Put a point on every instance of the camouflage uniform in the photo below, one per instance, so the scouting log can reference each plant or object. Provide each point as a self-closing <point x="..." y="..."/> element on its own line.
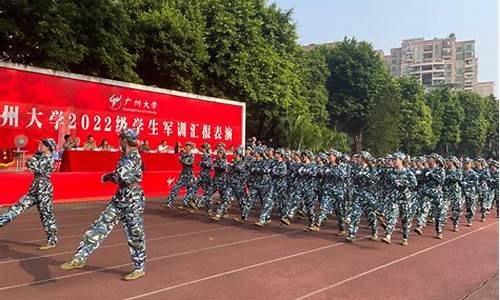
<point x="483" y="191"/>
<point x="363" y="201"/>
<point x="126" y="206"/>
<point x="40" y="194"/>
<point x="237" y="176"/>
<point x="333" y="196"/>
<point x="401" y="182"/>
<point x="203" y="181"/>
<point x="186" y="178"/>
<point x="418" y="191"/>
<point x="279" y="182"/>
<point x="309" y="193"/>
<point x="453" y="193"/>
<point x="383" y="189"/>
<point x="259" y="187"/>
<point x="494" y="187"/>
<point x="470" y="181"/>
<point x="218" y="185"/>
<point x="295" y="182"/>
<point x="433" y="198"/>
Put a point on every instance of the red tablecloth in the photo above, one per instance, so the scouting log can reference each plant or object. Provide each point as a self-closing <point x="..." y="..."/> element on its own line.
<point x="92" y="161"/>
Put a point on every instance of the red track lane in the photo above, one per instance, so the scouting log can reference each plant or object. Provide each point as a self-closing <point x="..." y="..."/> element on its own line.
<point x="199" y="259"/>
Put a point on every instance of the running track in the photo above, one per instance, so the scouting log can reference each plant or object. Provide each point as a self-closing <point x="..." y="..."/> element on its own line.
<point x="192" y="258"/>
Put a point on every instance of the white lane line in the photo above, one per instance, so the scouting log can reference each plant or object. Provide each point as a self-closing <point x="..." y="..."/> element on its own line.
<point x="149" y="260"/>
<point x="238" y="270"/>
<point x="391" y="263"/>
<point x="118" y="244"/>
<point x="97" y="214"/>
<point x="81" y="234"/>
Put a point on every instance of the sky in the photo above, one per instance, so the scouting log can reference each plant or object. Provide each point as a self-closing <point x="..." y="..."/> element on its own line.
<point x="385" y="23"/>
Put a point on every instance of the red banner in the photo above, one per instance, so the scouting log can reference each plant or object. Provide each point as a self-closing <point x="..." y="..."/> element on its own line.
<point x="41" y="103"/>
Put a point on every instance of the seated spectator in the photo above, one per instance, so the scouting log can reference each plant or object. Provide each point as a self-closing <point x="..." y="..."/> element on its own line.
<point x="105" y="146"/>
<point x="90" y="144"/>
<point x="70" y="142"/>
<point x="163" y="147"/>
<point x="144" y="147"/>
<point x="231" y="150"/>
<point x="178" y="147"/>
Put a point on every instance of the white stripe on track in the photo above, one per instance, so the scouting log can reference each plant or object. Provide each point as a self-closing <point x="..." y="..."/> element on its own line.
<point x="313" y="293"/>
<point x="116" y="244"/>
<point x="150" y="260"/>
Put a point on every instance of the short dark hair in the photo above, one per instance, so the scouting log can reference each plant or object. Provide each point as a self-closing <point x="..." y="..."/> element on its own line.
<point x="67" y="136"/>
<point x="90" y="136"/>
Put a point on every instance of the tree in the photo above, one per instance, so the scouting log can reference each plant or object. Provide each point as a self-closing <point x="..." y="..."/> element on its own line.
<point x="447" y="116"/>
<point x="491" y="114"/>
<point x="451" y="133"/>
<point x="314" y="76"/>
<point x="383" y="129"/>
<point x="416" y="117"/>
<point x="171" y="44"/>
<point x="474" y="126"/>
<point x="88" y="37"/>
<point x="352" y="84"/>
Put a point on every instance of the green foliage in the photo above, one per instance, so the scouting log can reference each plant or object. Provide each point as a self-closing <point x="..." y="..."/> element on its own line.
<point x="416" y="118"/>
<point x="247" y="50"/>
<point x="475" y="125"/>
<point x="354" y="80"/>
<point x="491" y="112"/>
<point x="383" y="131"/>
<point x="300" y="133"/>
<point x="447" y="115"/>
<point x="84" y="36"/>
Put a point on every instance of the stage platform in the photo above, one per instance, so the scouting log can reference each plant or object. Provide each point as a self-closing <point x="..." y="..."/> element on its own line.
<point x="82" y="186"/>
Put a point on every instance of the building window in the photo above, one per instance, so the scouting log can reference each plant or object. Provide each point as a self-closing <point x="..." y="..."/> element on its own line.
<point x="427" y="79"/>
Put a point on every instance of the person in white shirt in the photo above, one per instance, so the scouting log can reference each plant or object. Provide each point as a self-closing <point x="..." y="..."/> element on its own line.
<point x="163" y="147"/>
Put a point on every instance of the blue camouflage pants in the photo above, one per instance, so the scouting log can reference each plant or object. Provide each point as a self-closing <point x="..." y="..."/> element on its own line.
<point x="439" y="208"/>
<point x="362" y="204"/>
<point x="399" y="209"/>
<point x="456" y="202"/>
<point x="201" y="182"/>
<point x="127" y="207"/>
<point x="330" y="203"/>
<point x="424" y="207"/>
<point x="470" y="205"/>
<point x="184" y="181"/>
<point x="41" y="195"/>
<point x="486" y="200"/>
<point x="263" y="191"/>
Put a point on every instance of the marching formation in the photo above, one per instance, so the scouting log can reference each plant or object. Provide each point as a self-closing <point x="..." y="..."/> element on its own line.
<point x="296" y="184"/>
<point x="301" y="184"/>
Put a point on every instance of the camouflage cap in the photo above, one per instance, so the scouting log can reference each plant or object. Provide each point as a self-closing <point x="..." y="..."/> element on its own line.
<point x="239" y="151"/>
<point x="190" y="144"/>
<point x="280" y="151"/>
<point x="438" y="158"/>
<point x="130" y="135"/>
<point x="308" y="153"/>
<point x="335" y="153"/>
<point x="322" y="156"/>
<point x="398" y="155"/>
<point x="49" y="143"/>
<point x="366" y="155"/>
<point x="454" y="160"/>
<point x="259" y="150"/>
<point x="493" y="162"/>
<point x="467" y="160"/>
<point x="205" y="146"/>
